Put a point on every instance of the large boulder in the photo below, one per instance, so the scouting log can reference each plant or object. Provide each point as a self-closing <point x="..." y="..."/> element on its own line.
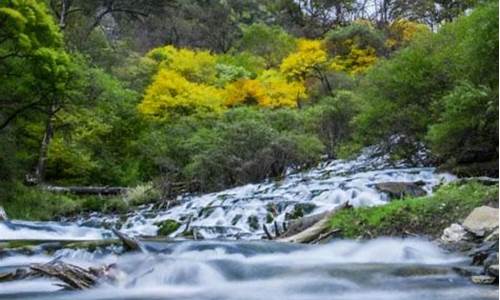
<point x="398" y="190"/>
<point x="482" y="220"/>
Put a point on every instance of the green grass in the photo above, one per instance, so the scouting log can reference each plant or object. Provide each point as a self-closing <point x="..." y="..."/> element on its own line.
<point x="33" y="203"/>
<point x="423" y="216"/>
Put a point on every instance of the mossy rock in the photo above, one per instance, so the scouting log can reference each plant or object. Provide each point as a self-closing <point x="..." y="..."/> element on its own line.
<point x="269" y="218"/>
<point x="167" y="227"/>
<point x="236" y="219"/>
<point x="253" y="222"/>
<point x="299" y="210"/>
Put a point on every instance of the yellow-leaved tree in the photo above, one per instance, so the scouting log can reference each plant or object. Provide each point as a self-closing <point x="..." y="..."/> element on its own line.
<point x="196" y="66"/>
<point x="356" y="61"/>
<point x="402" y="31"/>
<point x="183" y="85"/>
<point x="193" y="81"/>
<point x="172" y="94"/>
<point x="270" y="89"/>
<point x="307" y="60"/>
<point x="354" y="48"/>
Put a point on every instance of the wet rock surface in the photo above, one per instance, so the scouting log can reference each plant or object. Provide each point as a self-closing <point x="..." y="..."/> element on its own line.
<point x="478" y="238"/>
<point x="399" y="190"/>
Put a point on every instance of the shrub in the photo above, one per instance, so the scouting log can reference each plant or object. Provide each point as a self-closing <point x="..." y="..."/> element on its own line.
<point x="467" y="130"/>
<point x="331" y="119"/>
<point x="142" y="194"/>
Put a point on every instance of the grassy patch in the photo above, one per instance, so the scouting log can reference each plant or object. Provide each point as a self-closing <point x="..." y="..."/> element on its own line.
<point x="423" y="215"/>
<point x="33" y="203"/>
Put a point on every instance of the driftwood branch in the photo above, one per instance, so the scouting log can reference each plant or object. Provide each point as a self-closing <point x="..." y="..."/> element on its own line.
<point x="130" y="244"/>
<point x="72" y="277"/>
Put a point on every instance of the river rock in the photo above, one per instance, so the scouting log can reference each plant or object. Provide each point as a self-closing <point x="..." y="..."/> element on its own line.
<point x="493" y="270"/>
<point x="166" y="227"/>
<point x="3" y="214"/>
<point x="493" y="236"/>
<point x="482" y="220"/>
<point x="398" y="190"/>
<point x="453" y="234"/>
<point x="483" y="279"/>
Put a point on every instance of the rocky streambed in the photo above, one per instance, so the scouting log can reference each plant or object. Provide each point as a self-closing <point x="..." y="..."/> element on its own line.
<point x="121" y="257"/>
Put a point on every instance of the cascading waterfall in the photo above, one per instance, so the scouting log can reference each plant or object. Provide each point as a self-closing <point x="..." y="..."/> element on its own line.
<point x="218" y="268"/>
<point x="240" y="212"/>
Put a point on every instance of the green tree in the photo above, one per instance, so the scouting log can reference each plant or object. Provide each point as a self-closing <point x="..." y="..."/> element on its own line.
<point x="270" y="42"/>
<point x="37" y="74"/>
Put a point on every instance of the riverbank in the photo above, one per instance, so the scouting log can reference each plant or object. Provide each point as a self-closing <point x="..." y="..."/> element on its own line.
<point x="35" y="203"/>
<point x="422" y="216"/>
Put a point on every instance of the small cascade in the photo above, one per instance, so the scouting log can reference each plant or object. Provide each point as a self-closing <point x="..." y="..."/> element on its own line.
<point x="240" y="213"/>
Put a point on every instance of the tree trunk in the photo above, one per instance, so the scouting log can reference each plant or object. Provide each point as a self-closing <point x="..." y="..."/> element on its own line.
<point x="62" y="17"/>
<point x="44" y="147"/>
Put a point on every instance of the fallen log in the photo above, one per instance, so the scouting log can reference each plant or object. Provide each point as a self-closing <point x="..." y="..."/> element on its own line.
<point x="315" y="230"/>
<point x="130" y="244"/>
<point x="87" y="190"/>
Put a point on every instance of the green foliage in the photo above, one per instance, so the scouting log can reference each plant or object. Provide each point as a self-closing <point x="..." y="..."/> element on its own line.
<point x="244" y="145"/>
<point x="440" y="87"/>
<point x="35" y="204"/>
<point x="251" y="63"/>
<point x="331" y="118"/>
<point x="270" y="42"/>
<point x="460" y="134"/>
<point x="142" y="194"/>
<point x="361" y="35"/>
<point x="186" y="111"/>
<point x="94" y="141"/>
<point x="425" y="215"/>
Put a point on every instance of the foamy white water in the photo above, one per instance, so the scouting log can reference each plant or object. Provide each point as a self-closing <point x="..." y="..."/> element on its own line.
<point x="379" y="269"/>
<point x="26" y="230"/>
<point x="240" y="212"/>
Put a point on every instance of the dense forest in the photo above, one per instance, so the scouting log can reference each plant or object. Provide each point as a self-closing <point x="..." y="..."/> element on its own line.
<point x="210" y="94"/>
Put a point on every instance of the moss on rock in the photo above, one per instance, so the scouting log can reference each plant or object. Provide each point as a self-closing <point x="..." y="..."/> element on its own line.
<point x="167" y="227"/>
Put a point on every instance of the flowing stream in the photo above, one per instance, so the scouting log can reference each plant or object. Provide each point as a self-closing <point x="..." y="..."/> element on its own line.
<point x="231" y="262"/>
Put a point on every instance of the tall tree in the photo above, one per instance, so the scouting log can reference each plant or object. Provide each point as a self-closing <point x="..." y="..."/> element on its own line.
<point x="35" y="70"/>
